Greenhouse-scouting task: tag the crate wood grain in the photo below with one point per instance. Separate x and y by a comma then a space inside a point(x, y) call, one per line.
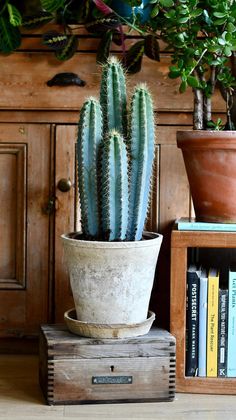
point(75, 370)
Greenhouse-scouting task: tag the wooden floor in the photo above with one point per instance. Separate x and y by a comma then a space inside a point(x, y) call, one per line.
point(21, 398)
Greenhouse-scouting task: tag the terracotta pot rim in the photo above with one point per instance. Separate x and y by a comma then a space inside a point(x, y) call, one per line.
point(206, 139)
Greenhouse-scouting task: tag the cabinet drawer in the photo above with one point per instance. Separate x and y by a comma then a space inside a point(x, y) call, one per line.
point(24, 79)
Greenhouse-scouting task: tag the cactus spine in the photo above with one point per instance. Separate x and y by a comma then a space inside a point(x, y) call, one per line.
point(89, 139)
point(121, 177)
point(142, 143)
point(115, 188)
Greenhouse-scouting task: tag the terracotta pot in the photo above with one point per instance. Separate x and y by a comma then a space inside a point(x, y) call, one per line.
point(210, 161)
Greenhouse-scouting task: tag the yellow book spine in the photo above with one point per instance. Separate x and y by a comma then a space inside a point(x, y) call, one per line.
point(212, 324)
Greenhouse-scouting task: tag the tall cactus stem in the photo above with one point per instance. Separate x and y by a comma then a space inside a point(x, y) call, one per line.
point(89, 139)
point(142, 149)
point(113, 97)
point(115, 190)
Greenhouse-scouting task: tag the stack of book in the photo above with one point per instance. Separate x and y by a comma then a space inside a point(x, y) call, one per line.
point(211, 324)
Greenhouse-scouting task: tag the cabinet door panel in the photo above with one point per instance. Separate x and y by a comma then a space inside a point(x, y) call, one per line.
point(24, 227)
point(12, 215)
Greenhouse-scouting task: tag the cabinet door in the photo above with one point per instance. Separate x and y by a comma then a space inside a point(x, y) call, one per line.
point(24, 228)
point(67, 218)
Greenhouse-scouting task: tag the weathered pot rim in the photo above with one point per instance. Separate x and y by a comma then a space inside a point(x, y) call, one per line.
point(206, 139)
point(151, 239)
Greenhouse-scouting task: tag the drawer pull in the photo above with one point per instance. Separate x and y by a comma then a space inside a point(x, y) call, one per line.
point(66, 79)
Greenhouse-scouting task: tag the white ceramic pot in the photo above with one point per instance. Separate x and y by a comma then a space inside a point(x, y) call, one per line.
point(112, 281)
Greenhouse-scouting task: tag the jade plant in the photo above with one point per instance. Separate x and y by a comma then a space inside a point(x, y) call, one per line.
point(115, 162)
point(200, 37)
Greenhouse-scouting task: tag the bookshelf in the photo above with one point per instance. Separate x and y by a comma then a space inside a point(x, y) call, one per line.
point(180, 242)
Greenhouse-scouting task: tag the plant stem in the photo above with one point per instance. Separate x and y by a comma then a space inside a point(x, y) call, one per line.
point(198, 110)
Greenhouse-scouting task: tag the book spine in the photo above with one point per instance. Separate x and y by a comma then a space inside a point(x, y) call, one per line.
point(231, 365)
point(212, 326)
point(206, 226)
point(202, 327)
point(192, 324)
point(223, 333)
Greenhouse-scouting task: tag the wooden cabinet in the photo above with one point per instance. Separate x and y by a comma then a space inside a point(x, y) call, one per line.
point(181, 241)
point(24, 227)
point(38, 133)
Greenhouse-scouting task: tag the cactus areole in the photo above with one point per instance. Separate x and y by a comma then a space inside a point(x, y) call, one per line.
point(115, 159)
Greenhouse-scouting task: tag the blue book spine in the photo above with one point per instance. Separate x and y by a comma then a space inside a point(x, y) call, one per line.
point(222, 333)
point(186, 224)
point(202, 347)
point(231, 364)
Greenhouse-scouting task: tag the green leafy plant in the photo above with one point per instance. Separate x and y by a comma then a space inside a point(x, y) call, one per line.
point(115, 166)
point(202, 36)
point(96, 15)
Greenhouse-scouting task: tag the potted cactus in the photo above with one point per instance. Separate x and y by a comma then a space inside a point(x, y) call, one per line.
point(112, 262)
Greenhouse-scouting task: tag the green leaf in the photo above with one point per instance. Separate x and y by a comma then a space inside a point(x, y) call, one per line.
point(220, 15)
point(155, 11)
point(134, 56)
point(183, 19)
point(151, 47)
point(55, 40)
point(167, 3)
point(183, 87)
point(174, 72)
point(14, 15)
point(231, 27)
point(69, 49)
point(227, 51)
point(221, 41)
point(35, 21)
point(103, 24)
point(10, 37)
point(104, 47)
point(52, 5)
point(192, 81)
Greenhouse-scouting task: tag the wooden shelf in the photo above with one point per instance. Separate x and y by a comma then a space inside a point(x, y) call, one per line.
point(180, 242)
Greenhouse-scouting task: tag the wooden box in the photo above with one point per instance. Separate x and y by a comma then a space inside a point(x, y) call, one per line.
point(75, 370)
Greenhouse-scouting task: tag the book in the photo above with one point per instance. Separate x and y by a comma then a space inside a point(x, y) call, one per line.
point(186, 223)
point(231, 363)
point(192, 321)
point(223, 333)
point(212, 322)
point(202, 341)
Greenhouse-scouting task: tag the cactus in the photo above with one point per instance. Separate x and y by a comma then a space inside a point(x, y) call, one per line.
point(113, 97)
point(89, 140)
point(142, 149)
point(114, 184)
point(115, 190)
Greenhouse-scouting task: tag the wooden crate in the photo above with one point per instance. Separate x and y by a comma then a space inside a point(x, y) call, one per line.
point(75, 370)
